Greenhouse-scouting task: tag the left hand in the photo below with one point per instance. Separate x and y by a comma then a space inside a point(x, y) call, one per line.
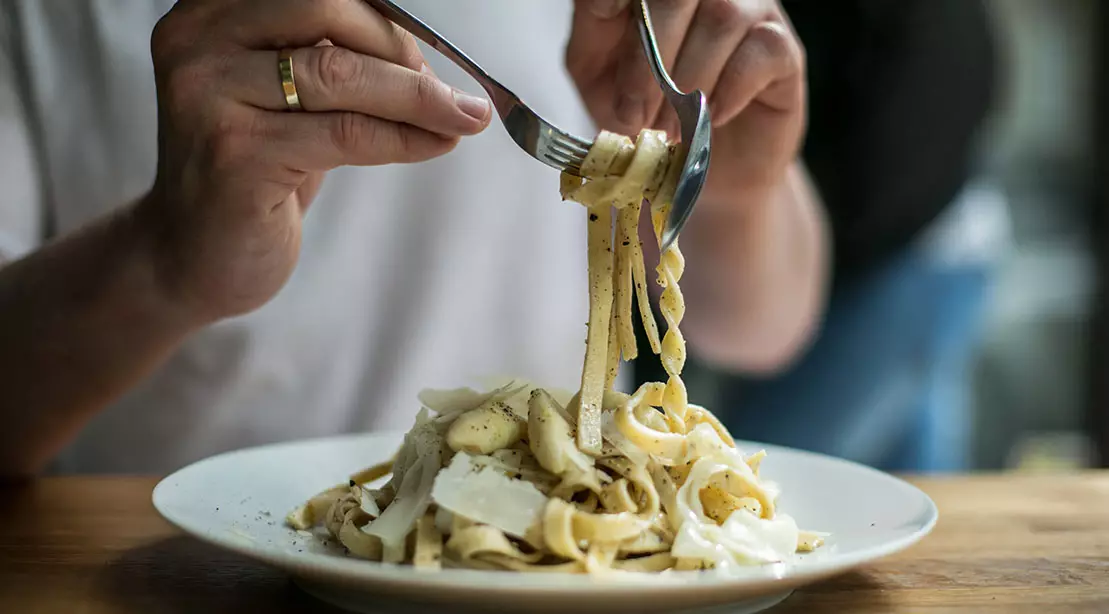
point(743, 54)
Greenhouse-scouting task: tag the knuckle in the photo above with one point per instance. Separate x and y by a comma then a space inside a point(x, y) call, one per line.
point(183, 84)
point(176, 31)
point(428, 92)
point(348, 133)
point(772, 40)
point(767, 46)
point(719, 16)
point(163, 39)
point(405, 143)
point(335, 68)
point(230, 139)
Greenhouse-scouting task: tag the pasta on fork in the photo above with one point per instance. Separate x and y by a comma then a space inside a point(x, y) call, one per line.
point(527, 479)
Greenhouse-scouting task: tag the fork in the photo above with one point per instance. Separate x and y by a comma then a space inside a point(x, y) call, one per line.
point(538, 137)
point(696, 130)
point(563, 151)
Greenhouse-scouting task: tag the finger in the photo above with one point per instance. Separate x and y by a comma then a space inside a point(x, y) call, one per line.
point(714, 35)
point(606, 9)
point(323, 141)
point(275, 24)
point(638, 96)
point(336, 79)
point(595, 34)
point(766, 67)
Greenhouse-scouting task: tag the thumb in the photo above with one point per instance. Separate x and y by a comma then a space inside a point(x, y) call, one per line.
point(595, 36)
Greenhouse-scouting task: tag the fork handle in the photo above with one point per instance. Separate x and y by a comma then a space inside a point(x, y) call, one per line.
point(424, 32)
point(654, 56)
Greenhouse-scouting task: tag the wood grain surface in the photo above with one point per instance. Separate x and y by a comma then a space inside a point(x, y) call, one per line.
point(1004, 543)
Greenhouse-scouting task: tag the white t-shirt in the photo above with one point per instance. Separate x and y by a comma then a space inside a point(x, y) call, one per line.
point(410, 276)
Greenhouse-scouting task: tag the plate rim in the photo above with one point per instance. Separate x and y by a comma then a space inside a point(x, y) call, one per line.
point(396, 579)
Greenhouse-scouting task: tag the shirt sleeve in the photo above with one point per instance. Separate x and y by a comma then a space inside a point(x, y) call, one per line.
point(21, 198)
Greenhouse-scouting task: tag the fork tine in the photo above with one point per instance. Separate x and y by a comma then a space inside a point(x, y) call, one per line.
point(579, 143)
point(562, 160)
point(573, 144)
point(569, 149)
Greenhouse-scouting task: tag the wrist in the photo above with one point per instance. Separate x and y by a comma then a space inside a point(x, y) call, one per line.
point(146, 234)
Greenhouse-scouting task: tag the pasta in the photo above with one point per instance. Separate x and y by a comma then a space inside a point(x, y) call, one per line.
point(601, 482)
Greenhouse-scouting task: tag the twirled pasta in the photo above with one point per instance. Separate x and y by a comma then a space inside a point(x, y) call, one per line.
point(605, 483)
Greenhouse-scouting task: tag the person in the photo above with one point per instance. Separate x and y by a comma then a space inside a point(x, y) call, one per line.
point(899, 92)
point(180, 279)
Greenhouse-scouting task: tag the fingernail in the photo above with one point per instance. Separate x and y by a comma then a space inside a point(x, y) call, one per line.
point(631, 111)
point(475, 107)
point(607, 9)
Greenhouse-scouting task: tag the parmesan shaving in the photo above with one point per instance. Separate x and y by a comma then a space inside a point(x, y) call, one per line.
point(485, 495)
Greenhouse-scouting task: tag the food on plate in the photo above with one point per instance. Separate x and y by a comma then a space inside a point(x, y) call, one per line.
point(528, 479)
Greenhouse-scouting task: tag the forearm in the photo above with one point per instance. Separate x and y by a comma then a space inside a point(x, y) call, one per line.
point(757, 275)
point(81, 321)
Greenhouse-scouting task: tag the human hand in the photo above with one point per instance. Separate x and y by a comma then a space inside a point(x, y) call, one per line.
point(237, 170)
point(743, 54)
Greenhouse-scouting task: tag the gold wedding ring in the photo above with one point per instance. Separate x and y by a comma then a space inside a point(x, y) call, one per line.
point(288, 79)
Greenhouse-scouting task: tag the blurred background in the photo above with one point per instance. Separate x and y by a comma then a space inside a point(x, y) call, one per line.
point(1040, 395)
point(1039, 391)
point(1031, 223)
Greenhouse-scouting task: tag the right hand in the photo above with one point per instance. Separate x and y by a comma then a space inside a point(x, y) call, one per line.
point(237, 170)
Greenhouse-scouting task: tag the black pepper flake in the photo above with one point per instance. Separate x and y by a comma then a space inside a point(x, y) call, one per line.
point(592, 217)
point(627, 243)
point(353, 483)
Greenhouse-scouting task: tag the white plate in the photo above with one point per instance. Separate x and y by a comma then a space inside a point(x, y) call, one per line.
point(238, 501)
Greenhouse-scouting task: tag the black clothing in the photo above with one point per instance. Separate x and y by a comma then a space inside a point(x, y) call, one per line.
point(897, 91)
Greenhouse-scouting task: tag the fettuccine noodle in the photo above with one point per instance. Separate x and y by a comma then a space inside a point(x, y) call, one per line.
point(531, 480)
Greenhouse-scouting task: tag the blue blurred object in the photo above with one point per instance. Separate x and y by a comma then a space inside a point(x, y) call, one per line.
point(886, 381)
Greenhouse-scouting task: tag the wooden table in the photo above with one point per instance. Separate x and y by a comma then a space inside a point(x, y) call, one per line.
point(1003, 544)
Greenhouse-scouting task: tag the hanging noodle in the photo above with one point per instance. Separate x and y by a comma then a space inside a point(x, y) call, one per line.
point(607, 483)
